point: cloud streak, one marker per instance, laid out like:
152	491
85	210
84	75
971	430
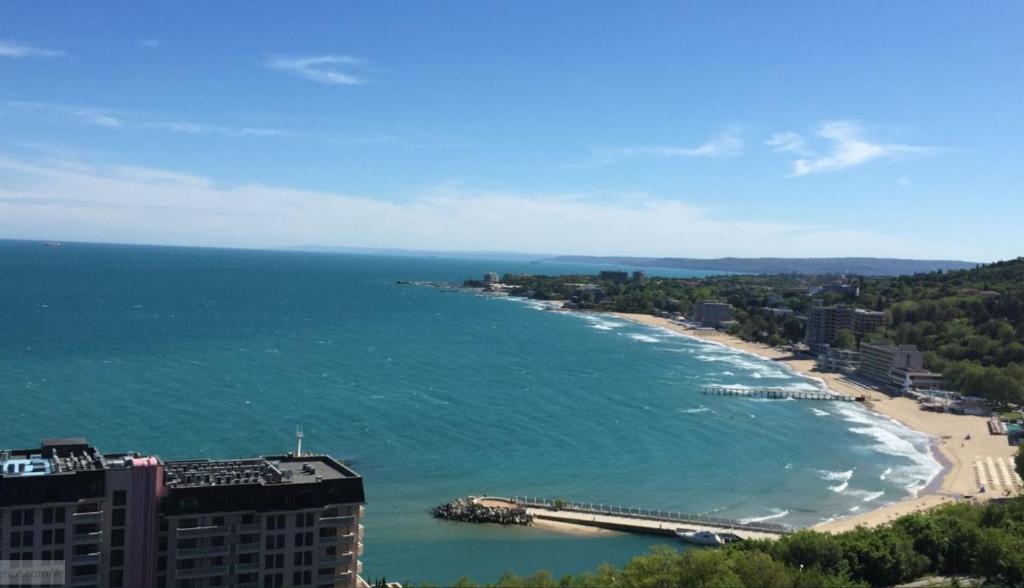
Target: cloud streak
847	148
728	143
325	69
143	205
112	119
14	50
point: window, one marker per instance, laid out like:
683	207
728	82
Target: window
60	515
47	516
117	538
47	533
116	578
116	558
120	497
118	520
58	536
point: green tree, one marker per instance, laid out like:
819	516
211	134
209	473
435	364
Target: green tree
1020	461
844	339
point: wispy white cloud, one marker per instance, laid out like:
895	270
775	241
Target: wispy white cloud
326	69
15	50
788	142
847	148
150	43
728	143
133	204
113	119
192	128
85	115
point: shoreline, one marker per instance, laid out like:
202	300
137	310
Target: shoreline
954	482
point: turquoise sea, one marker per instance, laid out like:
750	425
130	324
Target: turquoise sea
430	395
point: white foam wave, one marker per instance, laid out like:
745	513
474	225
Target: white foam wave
694	410
833	476
819	412
885	474
854	508
644	338
866	495
776	514
839	488
892	438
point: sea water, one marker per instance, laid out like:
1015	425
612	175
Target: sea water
430	395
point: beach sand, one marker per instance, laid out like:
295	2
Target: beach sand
948	431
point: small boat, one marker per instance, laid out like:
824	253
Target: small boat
52	243
707	538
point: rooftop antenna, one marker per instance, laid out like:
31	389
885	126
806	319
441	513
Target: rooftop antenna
298	440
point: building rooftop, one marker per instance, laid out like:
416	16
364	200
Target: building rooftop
55	456
257	471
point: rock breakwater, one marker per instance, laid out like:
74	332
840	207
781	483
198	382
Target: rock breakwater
468	510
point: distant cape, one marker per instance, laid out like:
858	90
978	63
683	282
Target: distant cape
864	266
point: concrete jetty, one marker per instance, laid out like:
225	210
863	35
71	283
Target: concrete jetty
633	520
779	394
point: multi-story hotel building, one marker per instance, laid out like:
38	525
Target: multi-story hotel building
897	367
709	313
823	322
131	521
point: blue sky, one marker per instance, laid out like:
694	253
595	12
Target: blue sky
685	129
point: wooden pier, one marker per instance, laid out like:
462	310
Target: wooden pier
779	394
635	520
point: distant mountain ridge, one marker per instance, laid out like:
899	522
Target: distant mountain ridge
864	266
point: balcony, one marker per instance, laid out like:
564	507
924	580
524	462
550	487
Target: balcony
194	552
200	572
359	549
252	528
247	547
85	558
252	566
94	516
87	538
336	521
205	531
338	559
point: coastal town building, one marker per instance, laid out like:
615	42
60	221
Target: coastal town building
823	322
615	276
898	367
778	313
709	313
844	361
491	278
128	520
639	278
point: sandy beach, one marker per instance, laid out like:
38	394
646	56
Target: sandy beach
948	431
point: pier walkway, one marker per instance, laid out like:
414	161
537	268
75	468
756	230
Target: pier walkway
779	394
635	520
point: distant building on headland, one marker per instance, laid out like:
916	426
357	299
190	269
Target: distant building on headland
614	276
491	278
897	367
823	322
131	521
639	278
709	313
